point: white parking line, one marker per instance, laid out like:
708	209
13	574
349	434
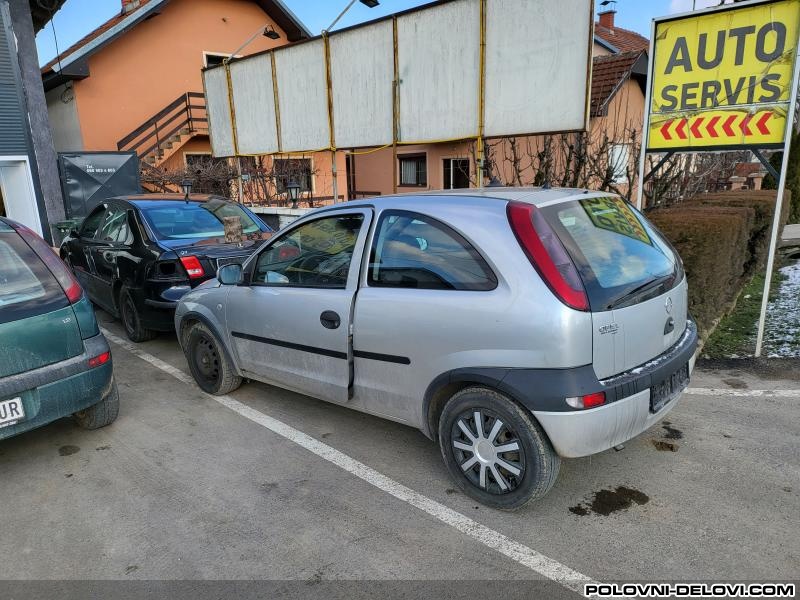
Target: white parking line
495	540
743	393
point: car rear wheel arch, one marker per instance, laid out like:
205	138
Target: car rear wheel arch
191	318
448	384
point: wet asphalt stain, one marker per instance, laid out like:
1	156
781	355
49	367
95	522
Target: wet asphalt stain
787	489
606	502
671	432
68	450
450	491
665	446
325	435
268	486
99	448
735	383
131	569
67	475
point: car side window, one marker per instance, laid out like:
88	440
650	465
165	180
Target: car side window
415	251
115	227
92	223
315	254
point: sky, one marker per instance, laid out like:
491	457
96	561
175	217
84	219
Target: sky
78	17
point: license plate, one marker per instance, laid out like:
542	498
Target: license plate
669	389
11	412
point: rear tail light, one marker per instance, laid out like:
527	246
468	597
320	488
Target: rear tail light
99	360
587	401
193	267
57	267
547	254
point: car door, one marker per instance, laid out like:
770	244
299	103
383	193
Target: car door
79	250
290	324
113	237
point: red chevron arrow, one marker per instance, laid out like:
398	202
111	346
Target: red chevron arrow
711	127
762	123
746	125
695	128
726	126
665	130
680	130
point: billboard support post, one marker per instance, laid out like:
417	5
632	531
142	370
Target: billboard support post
645	127
776	218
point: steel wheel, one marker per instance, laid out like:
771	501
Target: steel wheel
488	451
206	359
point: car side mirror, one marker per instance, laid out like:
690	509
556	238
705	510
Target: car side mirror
230	275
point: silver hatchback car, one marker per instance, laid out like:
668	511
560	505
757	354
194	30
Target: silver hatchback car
514	326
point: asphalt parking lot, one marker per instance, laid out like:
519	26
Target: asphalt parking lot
186	487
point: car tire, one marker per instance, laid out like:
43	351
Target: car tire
505	480
208	362
131	321
101	414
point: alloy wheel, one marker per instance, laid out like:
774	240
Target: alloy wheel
488	451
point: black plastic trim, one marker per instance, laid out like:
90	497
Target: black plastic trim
390	358
290	345
160	304
546	389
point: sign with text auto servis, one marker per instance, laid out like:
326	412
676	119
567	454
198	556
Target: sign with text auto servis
723	79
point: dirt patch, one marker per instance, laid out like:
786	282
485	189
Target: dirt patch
671	432
68	450
736	384
665	446
606	502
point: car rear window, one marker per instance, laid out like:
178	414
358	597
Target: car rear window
27	287
193	220
616	250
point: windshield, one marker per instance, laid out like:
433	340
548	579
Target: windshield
193	220
616	250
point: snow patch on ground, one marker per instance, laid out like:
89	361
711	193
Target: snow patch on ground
782	333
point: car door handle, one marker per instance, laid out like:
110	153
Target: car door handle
330	320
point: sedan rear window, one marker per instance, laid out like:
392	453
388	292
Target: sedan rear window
27	287
616	250
193	220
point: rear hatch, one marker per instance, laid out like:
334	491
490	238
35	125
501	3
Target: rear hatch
37	324
633	277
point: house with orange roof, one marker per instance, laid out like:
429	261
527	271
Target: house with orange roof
134	83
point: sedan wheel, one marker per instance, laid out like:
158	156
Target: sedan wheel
209	363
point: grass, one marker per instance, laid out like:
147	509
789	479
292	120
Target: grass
735	336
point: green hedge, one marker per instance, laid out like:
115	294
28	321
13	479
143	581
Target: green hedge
723	239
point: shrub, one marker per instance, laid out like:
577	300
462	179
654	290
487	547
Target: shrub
792	176
723	239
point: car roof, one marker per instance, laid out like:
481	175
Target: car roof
538	196
137	198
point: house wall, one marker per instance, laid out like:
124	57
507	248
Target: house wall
64	123
145	69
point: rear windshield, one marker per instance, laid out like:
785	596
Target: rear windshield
192	220
27	287
621	257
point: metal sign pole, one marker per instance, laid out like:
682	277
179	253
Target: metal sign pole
776	219
646	125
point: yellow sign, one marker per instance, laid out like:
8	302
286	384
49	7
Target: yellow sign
723	79
612	214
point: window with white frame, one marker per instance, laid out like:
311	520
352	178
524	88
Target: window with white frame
619	158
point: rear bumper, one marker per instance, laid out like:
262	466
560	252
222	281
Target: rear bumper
626	414
56	391
576	434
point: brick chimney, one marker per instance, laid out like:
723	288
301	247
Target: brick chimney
606	18
128	6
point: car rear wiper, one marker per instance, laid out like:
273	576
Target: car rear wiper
638	290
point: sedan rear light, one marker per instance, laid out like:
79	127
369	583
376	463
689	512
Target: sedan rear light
99	360
587	401
57	267
193	267
547	254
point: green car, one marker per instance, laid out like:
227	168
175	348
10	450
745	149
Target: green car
54	362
